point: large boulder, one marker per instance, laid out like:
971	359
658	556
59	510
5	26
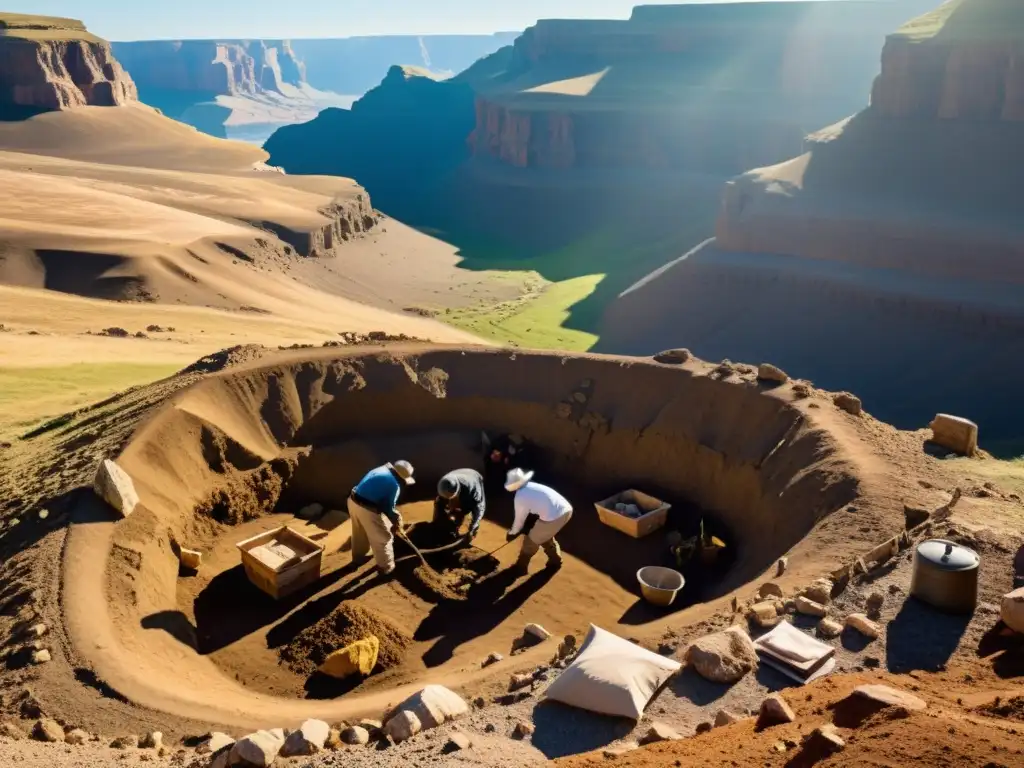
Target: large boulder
114	486
1012	610
723	657
433	706
308	740
358	658
258	749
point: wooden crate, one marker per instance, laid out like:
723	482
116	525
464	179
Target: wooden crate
281	561
654	517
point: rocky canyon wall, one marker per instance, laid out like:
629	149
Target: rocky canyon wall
53	64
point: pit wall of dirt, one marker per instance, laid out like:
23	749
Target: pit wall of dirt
62	74
907	345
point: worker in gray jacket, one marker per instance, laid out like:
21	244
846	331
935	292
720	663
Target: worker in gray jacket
460	494
552	510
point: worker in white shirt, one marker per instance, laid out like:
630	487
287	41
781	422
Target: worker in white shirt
552	510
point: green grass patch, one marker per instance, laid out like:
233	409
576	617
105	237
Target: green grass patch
34	398
968	20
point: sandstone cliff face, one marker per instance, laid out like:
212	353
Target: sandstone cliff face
211	67
57	64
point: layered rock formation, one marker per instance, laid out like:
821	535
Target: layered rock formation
714	88
52	63
890	255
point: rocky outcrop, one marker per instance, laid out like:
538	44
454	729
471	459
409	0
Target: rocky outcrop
212	67
53	64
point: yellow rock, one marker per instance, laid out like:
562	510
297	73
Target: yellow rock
360	657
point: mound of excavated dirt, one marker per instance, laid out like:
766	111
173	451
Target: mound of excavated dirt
1011	709
344	626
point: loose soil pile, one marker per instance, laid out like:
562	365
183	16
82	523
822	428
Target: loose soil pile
347	624
1011	709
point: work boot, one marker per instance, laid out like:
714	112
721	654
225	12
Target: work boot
553	563
521	566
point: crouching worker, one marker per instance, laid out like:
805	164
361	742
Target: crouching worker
372	507
553	511
460	493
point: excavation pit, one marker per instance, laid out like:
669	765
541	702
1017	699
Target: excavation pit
237	454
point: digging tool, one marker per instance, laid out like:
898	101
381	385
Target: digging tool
414	548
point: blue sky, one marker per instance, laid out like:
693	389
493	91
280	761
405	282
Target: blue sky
153	19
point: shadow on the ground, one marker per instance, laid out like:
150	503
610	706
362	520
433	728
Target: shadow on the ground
922	637
1006	650
563	731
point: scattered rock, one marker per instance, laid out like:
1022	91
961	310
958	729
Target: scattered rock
660	732
723	657
521	680
537	631
490	728
725	717
41	656
47	730
433	706
215	742
864	625
780	568
820	591
704	727
802	390
307	740
844	401
76	737
359	658
493	658
673	356
119	333
373	727
34	631
614	753
825	739
355	735
809	607
770	589
479	702
190	558
827	628
769	372
775	711
763	614
9	730
567	647
523	730
890	697
152	740
114	486
333	742
1011	609
30	707
457	741
125	742
874	604
259	749
311	512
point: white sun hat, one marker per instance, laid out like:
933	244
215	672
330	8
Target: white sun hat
516	479
404	470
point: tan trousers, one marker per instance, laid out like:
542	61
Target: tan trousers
371	530
543	535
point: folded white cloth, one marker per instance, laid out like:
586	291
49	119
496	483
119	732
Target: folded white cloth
790	643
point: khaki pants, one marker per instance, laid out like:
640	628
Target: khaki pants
543	535
371	530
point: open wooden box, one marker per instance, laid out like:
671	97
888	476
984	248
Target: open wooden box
281	561
655	513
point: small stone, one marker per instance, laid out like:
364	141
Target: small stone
844	401
493	658
874	604
153	740
47	730
780	568
259	749
373	727
30	706
826	738
725	717
567	647
820	591
334	741
810	607
523	730
35	631
9	730
309	739
827	628
563	410
775	711
673	356
769	372
41	656
1011	609
215	742
891	697
614	753
770	589
125	742
660	732
763	614
355	735
479	702
537	631
864	625
490	728
77	737
457	742
704	727
518	681
190	558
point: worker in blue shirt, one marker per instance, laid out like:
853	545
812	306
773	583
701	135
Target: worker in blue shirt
372	508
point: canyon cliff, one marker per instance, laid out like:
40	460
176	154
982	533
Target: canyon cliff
49	63
888	258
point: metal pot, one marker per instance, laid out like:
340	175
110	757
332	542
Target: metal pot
946	575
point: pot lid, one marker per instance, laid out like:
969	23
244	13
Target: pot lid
947	555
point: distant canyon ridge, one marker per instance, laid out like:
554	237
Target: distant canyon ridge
247	88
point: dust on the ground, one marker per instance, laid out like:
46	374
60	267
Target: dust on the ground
345	625
1011	709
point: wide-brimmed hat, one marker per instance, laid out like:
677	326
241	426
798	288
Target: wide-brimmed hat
516	479
404	470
